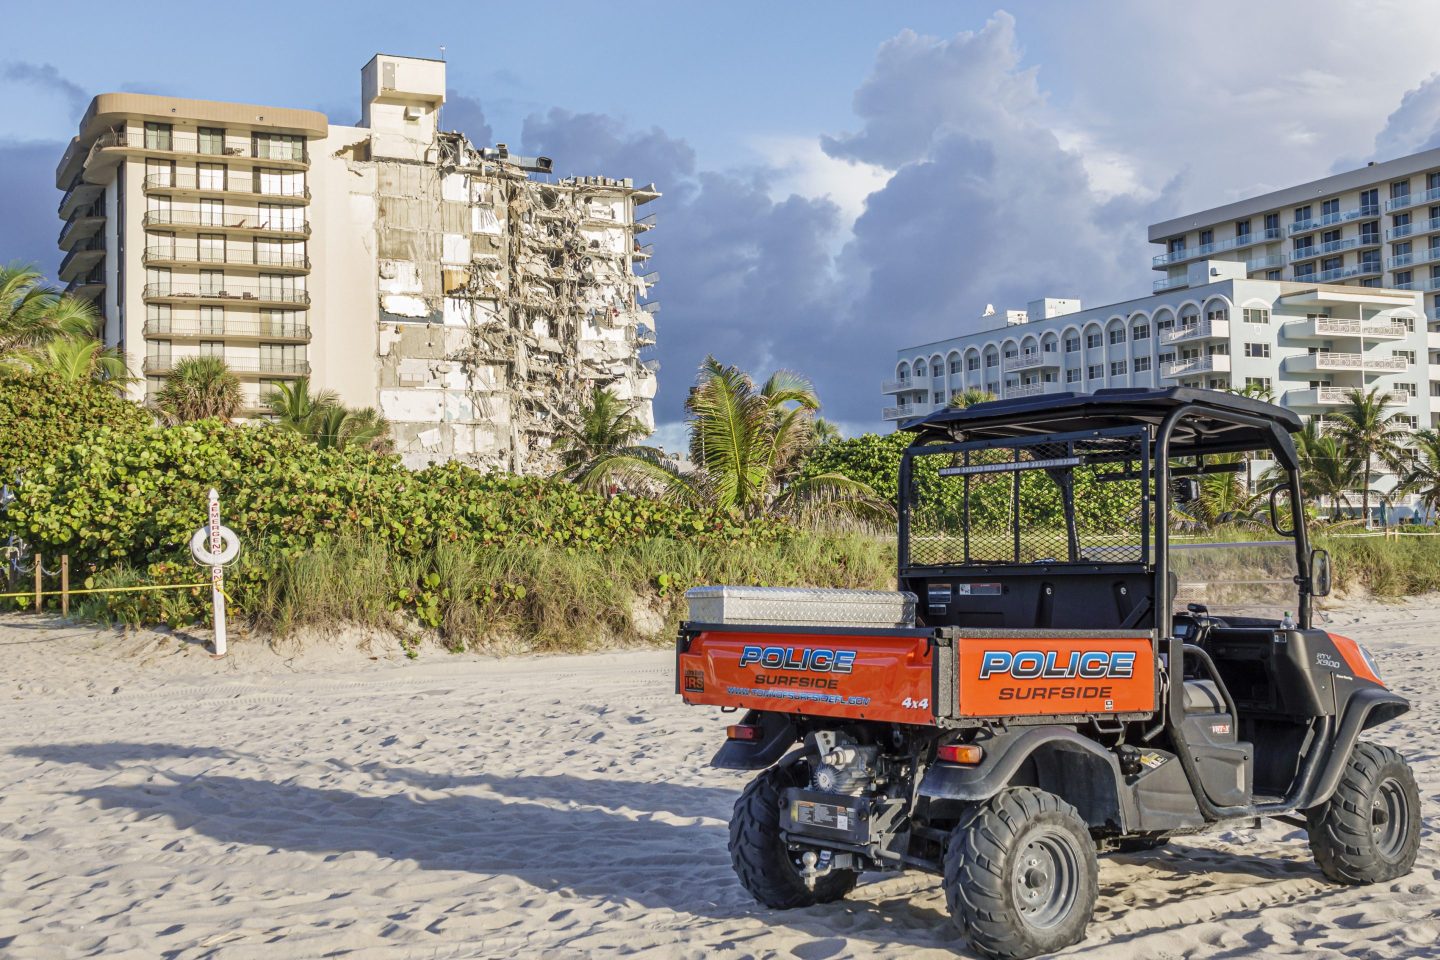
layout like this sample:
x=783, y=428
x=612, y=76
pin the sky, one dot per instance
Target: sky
x=841, y=179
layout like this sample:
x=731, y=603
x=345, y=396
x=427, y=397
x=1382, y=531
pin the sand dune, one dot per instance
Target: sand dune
x=154, y=802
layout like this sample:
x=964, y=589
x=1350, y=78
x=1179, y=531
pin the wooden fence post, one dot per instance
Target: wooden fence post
x=65, y=584
x=39, y=563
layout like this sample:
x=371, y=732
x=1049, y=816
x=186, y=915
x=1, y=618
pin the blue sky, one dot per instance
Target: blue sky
x=840, y=178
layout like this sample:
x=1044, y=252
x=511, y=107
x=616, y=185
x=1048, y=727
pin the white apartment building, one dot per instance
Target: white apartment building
x=1308, y=344
x=457, y=288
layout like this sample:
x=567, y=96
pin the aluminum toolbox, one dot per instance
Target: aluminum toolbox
x=801, y=607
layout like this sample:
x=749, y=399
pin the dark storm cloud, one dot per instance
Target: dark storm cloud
x=46, y=77
x=28, y=198
x=466, y=115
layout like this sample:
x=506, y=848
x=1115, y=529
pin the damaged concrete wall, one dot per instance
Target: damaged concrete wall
x=502, y=302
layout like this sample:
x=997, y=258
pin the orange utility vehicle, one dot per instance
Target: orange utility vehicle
x=1084, y=655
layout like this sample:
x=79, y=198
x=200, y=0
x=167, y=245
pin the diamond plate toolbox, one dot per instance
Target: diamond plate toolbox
x=801, y=607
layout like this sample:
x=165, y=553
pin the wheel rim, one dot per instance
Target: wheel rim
x=1045, y=879
x=1390, y=819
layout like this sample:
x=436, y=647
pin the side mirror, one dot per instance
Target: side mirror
x=1320, y=573
x=1185, y=490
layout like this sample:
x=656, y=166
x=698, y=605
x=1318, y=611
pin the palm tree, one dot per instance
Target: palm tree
x=1422, y=477
x=335, y=427
x=293, y=405
x=200, y=387
x=74, y=358
x=970, y=397
x=748, y=446
x=32, y=313
x=1255, y=390
x=1225, y=497
x=825, y=431
x=1328, y=470
x=1370, y=434
x=607, y=427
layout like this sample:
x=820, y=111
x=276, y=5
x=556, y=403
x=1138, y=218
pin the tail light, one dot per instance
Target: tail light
x=967, y=753
x=742, y=731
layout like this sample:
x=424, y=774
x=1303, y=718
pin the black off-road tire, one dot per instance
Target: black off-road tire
x=1020, y=874
x=761, y=860
x=1369, y=829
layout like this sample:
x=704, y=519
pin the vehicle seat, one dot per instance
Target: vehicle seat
x=1202, y=696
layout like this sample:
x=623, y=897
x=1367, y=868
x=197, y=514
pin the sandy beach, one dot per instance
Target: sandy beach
x=278, y=804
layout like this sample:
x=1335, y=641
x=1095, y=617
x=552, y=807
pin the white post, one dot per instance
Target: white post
x=217, y=574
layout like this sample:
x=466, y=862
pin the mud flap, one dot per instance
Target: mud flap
x=777, y=734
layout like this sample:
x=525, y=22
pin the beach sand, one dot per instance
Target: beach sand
x=304, y=803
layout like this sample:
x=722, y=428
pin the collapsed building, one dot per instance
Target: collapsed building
x=466, y=293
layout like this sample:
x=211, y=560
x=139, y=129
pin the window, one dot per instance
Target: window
x=1432, y=181
x=1219, y=314
x=1272, y=274
x=1142, y=364
x=1222, y=349
x=1409, y=323
x=1329, y=237
x=1303, y=247
x=212, y=320
x=1400, y=190
x=1118, y=368
x=282, y=358
x=1072, y=344
x=1257, y=350
x=278, y=146
x=1258, y=383
x=1406, y=420
x=1406, y=388
x=1330, y=207
x=212, y=348
x=1370, y=201
x=157, y=281
x=1168, y=356
x=212, y=140
x=992, y=360
x=972, y=363
x=1242, y=230
x=1176, y=245
x=955, y=366
x=289, y=323
x=1094, y=339
x=159, y=173
x=1255, y=315
x=1272, y=225
x=1095, y=371
x=1403, y=278
x=1407, y=355
x=1073, y=376
x=1435, y=388
x=212, y=282
x=1302, y=215
x=1207, y=237
x=157, y=318
x=212, y=213
x=1369, y=232
x=212, y=248
x=1165, y=323
x=210, y=176
x=1011, y=353
x=1332, y=263
x=158, y=136
x=1117, y=335
x=1304, y=271
x=1370, y=260
x=157, y=356
x=1142, y=332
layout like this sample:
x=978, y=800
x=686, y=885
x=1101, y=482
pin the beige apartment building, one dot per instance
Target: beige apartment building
x=458, y=288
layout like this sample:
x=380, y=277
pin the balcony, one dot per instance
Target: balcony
x=1432, y=283
x=1031, y=361
x=1273, y=261
x=262, y=150
x=645, y=223
x=1025, y=390
x=1170, y=283
x=229, y=329
x=1342, y=273
x=1411, y=199
x=1331, y=219
x=1354, y=362
x=1206, y=249
x=1337, y=396
x=225, y=290
x=1427, y=255
x=902, y=385
x=79, y=227
x=1417, y=229
x=1190, y=366
x=162, y=366
x=643, y=252
x=235, y=257
x=80, y=194
x=81, y=259
x=172, y=184
x=1204, y=330
x=1314, y=328
x=905, y=411
x=242, y=223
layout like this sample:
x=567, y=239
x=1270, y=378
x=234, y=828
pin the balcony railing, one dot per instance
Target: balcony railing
x=1215, y=362
x=1428, y=255
x=1203, y=330
x=157, y=366
x=181, y=329
x=1219, y=246
x=1170, y=283
x=1330, y=219
x=1265, y=263
x=225, y=290
x=168, y=182
x=1416, y=229
x=78, y=195
x=205, y=219
x=1029, y=361
x=1430, y=283
x=153, y=141
x=904, y=411
x=901, y=385
x=235, y=257
x=642, y=251
x=1340, y=327
x=1024, y=390
x=80, y=226
x=1343, y=273
x=81, y=257
x=1330, y=360
x=1411, y=199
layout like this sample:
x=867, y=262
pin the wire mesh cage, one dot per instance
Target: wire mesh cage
x=1059, y=499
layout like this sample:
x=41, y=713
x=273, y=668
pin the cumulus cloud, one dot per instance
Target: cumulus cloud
x=466, y=115
x=1414, y=125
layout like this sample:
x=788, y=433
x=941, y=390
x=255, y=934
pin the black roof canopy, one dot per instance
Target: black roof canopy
x=1128, y=406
